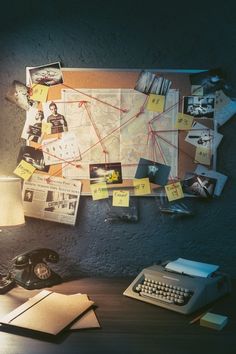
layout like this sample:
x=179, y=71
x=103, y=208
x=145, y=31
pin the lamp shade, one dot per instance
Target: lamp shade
x=11, y=206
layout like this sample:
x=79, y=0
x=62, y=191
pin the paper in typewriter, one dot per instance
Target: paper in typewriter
x=193, y=268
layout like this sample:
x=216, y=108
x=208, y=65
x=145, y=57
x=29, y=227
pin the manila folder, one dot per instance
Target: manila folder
x=48, y=312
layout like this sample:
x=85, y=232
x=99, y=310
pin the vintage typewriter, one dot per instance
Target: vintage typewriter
x=183, y=293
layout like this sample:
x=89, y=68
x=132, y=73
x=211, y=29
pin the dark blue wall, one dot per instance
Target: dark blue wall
x=116, y=34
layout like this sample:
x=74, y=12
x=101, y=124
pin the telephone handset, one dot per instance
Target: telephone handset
x=31, y=271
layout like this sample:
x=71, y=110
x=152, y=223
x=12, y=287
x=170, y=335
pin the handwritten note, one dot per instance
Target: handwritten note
x=24, y=170
x=183, y=121
x=203, y=155
x=174, y=191
x=39, y=93
x=120, y=198
x=99, y=191
x=141, y=186
x=155, y=103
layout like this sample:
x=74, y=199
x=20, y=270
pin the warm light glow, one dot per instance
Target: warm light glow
x=11, y=207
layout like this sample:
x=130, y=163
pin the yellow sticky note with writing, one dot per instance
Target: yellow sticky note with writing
x=99, y=191
x=46, y=128
x=39, y=93
x=120, y=198
x=155, y=103
x=141, y=186
x=203, y=155
x=174, y=191
x=183, y=121
x=24, y=170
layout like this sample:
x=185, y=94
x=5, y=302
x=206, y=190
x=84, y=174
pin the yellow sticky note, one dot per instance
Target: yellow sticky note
x=141, y=186
x=155, y=103
x=174, y=191
x=183, y=121
x=46, y=128
x=203, y=155
x=24, y=170
x=197, y=90
x=39, y=93
x=120, y=198
x=99, y=190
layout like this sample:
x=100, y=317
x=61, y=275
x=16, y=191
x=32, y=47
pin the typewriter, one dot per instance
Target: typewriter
x=182, y=293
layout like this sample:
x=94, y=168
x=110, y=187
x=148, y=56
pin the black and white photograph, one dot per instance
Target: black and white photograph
x=34, y=157
x=198, y=185
x=199, y=106
x=110, y=173
x=32, y=130
x=58, y=202
x=210, y=80
x=202, y=136
x=48, y=75
x=156, y=172
x=18, y=94
x=148, y=83
x=28, y=195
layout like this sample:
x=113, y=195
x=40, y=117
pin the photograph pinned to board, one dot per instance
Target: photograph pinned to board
x=18, y=94
x=202, y=136
x=111, y=173
x=49, y=74
x=148, y=83
x=210, y=80
x=199, y=106
x=57, y=200
x=54, y=114
x=225, y=108
x=32, y=130
x=199, y=185
x=220, y=178
x=155, y=171
x=34, y=157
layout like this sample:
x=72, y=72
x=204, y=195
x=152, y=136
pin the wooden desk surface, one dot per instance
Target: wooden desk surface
x=127, y=325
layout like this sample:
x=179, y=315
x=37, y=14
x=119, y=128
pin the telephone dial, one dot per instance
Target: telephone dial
x=31, y=271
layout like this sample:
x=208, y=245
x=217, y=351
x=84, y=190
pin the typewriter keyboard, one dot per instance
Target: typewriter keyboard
x=160, y=291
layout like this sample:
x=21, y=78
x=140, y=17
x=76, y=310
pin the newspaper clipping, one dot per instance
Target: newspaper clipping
x=51, y=198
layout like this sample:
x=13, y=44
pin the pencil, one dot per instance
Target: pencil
x=198, y=317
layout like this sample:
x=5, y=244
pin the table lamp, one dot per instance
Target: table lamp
x=11, y=206
x=11, y=214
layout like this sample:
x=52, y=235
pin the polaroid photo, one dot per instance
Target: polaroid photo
x=220, y=178
x=110, y=173
x=199, y=106
x=202, y=136
x=18, y=93
x=34, y=157
x=54, y=114
x=198, y=185
x=49, y=75
x=32, y=130
x=156, y=172
x=210, y=80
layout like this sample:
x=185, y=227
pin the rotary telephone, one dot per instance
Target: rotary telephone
x=31, y=271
